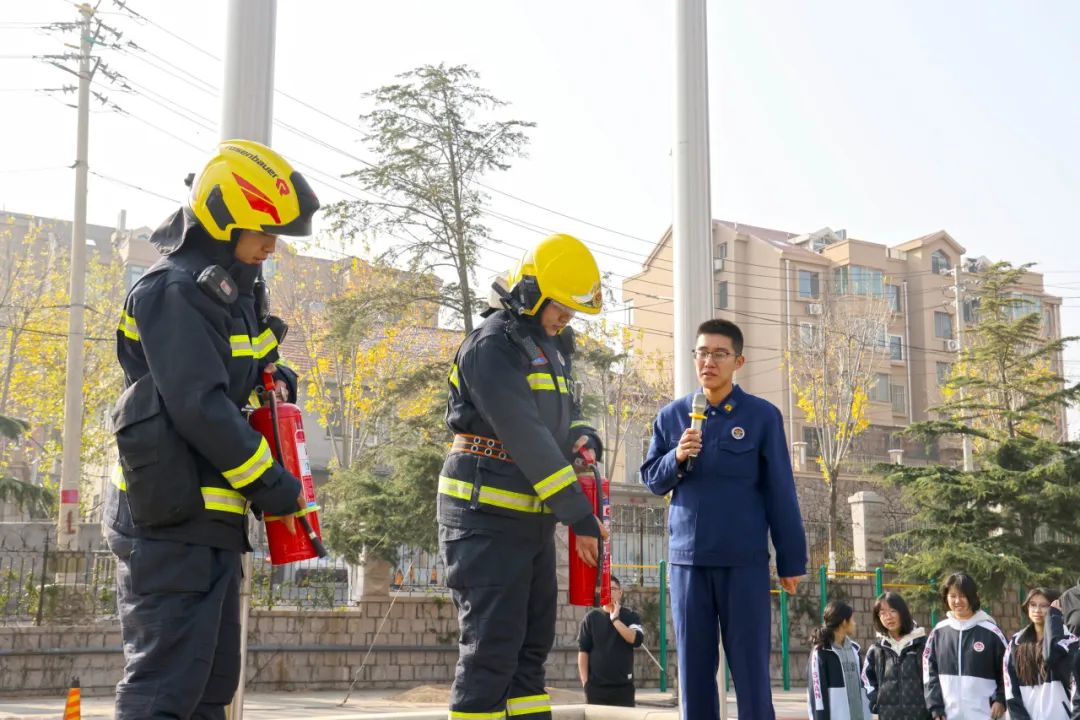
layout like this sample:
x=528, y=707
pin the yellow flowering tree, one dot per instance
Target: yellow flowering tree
x=832, y=367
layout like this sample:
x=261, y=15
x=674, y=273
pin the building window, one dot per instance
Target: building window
x=810, y=437
x=720, y=260
x=896, y=347
x=943, y=325
x=893, y=293
x=939, y=262
x=971, y=311
x=721, y=295
x=1021, y=305
x=809, y=284
x=944, y=371
x=898, y=395
x=808, y=335
x=879, y=391
x=859, y=280
x=133, y=273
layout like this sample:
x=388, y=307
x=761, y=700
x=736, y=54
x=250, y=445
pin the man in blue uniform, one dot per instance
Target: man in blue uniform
x=737, y=490
x=193, y=341
x=509, y=478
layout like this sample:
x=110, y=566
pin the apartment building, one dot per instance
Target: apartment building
x=770, y=283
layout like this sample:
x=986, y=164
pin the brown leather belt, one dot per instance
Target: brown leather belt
x=480, y=445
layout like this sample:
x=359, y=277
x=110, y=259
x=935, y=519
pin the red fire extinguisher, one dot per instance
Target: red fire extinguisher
x=283, y=428
x=591, y=586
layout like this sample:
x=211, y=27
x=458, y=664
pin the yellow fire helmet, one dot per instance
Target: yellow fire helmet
x=248, y=186
x=559, y=268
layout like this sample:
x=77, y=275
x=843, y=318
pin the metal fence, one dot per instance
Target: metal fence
x=41, y=585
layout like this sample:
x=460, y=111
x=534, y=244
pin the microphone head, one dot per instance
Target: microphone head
x=700, y=403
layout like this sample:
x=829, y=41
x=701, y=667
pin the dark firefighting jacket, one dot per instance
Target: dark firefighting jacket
x=515, y=421
x=190, y=362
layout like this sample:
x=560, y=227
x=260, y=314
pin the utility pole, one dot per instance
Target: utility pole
x=67, y=532
x=958, y=292
x=247, y=112
x=691, y=229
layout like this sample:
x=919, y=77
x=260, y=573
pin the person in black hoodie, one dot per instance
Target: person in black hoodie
x=193, y=342
x=1038, y=663
x=835, y=690
x=963, y=660
x=892, y=670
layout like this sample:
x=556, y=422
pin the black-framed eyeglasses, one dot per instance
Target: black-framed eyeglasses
x=717, y=355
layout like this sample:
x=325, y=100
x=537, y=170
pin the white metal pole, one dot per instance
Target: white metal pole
x=958, y=291
x=691, y=229
x=67, y=532
x=247, y=104
x=247, y=112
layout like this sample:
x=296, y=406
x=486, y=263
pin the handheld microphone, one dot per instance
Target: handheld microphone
x=697, y=419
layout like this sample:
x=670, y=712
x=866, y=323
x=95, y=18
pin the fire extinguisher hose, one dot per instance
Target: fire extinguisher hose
x=308, y=530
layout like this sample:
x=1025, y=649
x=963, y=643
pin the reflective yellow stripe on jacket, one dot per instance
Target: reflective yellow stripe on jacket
x=214, y=498
x=252, y=468
x=128, y=328
x=258, y=348
x=495, y=497
x=555, y=482
x=544, y=381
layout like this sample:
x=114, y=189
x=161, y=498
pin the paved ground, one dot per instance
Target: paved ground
x=361, y=705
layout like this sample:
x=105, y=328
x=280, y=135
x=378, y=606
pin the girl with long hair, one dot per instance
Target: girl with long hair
x=1038, y=662
x=834, y=690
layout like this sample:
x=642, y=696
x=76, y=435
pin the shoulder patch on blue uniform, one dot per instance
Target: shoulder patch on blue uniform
x=540, y=359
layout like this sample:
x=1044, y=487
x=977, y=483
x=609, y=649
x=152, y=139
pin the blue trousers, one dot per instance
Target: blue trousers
x=180, y=621
x=735, y=600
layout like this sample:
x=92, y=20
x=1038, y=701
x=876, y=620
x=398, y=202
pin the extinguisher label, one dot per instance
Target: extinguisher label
x=302, y=456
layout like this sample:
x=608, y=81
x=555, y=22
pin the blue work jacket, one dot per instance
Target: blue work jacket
x=739, y=491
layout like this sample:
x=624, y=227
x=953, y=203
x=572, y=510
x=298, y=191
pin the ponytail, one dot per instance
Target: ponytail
x=837, y=613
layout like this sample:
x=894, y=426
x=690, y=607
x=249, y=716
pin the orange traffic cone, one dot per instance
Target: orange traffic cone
x=73, y=706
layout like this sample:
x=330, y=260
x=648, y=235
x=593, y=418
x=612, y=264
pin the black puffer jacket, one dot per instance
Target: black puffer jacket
x=892, y=674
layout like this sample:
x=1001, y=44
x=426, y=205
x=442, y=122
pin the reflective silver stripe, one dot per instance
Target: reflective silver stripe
x=491, y=496
x=555, y=482
x=128, y=327
x=529, y=705
x=253, y=467
x=224, y=500
x=241, y=346
x=264, y=344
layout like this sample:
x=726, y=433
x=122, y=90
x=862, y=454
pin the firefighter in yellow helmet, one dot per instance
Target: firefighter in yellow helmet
x=194, y=336
x=509, y=479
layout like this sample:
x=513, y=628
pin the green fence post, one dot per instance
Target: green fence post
x=785, y=632
x=823, y=591
x=933, y=604
x=879, y=582
x=663, y=626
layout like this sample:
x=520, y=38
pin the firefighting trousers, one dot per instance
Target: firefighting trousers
x=180, y=622
x=736, y=601
x=506, y=593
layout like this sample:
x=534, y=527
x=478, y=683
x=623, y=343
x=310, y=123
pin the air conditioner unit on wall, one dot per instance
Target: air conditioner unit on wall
x=952, y=345
x=718, y=264
x=813, y=309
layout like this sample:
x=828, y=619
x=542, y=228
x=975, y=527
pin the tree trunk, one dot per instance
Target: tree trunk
x=833, y=520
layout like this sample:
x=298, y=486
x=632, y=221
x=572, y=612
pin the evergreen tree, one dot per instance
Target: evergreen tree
x=1015, y=517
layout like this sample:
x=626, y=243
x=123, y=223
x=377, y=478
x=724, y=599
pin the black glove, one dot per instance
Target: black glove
x=280, y=496
x=592, y=441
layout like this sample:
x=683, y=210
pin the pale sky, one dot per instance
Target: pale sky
x=888, y=119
